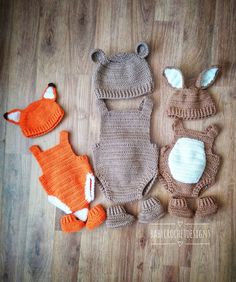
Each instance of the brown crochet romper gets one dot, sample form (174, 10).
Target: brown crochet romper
(183, 190)
(125, 161)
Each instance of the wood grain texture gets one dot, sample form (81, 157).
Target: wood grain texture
(50, 41)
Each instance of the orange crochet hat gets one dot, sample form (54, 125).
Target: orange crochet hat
(39, 117)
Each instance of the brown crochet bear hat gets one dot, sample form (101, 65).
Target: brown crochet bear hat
(123, 75)
(194, 102)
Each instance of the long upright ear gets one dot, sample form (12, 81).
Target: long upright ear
(174, 77)
(50, 92)
(142, 49)
(13, 116)
(207, 77)
(98, 56)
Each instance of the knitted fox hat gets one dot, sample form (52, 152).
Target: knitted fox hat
(194, 102)
(124, 75)
(39, 117)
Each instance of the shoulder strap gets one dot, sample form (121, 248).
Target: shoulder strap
(147, 105)
(212, 131)
(64, 137)
(35, 150)
(101, 106)
(178, 125)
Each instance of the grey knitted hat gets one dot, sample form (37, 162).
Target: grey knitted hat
(122, 76)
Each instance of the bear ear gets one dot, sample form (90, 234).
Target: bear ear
(174, 77)
(142, 49)
(50, 92)
(13, 116)
(207, 77)
(98, 56)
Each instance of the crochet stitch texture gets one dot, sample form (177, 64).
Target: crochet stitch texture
(122, 76)
(125, 161)
(192, 102)
(39, 117)
(179, 189)
(68, 180)
(151, 209)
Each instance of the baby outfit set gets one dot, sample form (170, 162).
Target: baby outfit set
(68, 179)
(125, 161)
(188, 166)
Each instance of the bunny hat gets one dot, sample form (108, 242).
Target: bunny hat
(194, 102)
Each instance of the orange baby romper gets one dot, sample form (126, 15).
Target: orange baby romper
(69, 182)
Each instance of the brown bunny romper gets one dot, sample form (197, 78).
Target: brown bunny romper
(168, 171)
(125, 160)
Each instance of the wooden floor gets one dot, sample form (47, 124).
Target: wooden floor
(49, 41)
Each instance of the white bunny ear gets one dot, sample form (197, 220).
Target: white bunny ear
(13, 116)
(207, 77)
(50, 92)
(174, 77)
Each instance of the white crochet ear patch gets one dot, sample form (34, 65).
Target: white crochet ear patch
(187, 160)
(208, 76)
(14, 116)
(174, 77)
(49, 93)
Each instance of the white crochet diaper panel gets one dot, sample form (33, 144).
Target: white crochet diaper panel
(187, 160)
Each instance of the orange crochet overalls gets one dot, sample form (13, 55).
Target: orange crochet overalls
(69, 182)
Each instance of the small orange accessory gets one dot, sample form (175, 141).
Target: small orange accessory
(69, 223)
(96, 217)
(39, 117)
(68, 180)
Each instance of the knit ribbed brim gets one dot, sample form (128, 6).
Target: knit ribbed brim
(69, 223)
(150, 203)
(191, 113)
(179, 207)
(133, 92)
(206, 206)
(151, 209)
(118, 217)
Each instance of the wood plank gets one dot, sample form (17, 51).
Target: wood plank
(50, 41)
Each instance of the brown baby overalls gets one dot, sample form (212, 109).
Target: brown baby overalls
(170, 165)
(125, 161)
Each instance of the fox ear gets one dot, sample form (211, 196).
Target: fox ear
(50, 92)
(13, 116)
(174, 77)
(207, 77)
